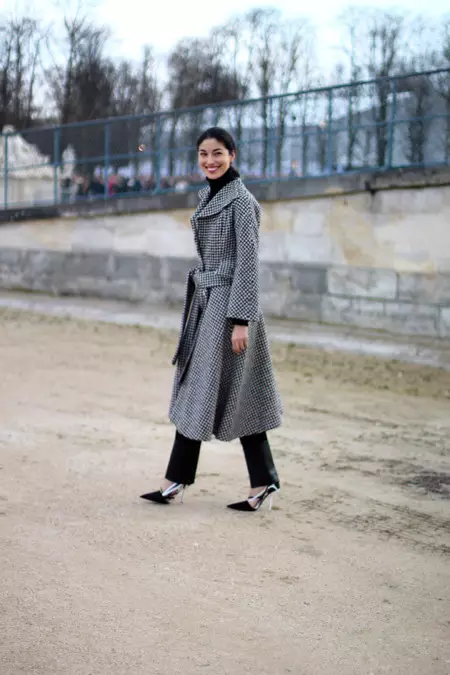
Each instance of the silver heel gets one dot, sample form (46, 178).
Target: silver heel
(166, 496)
(254, 503)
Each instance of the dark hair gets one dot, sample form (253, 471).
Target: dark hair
(220, 135)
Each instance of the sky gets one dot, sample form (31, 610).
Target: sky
(175, 19)
(162, 24)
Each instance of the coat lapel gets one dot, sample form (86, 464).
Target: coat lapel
(207, 209)
(225, 196)
(203, 198)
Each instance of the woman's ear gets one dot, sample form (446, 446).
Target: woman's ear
(233, 156)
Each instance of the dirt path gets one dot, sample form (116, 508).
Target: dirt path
(349, 575)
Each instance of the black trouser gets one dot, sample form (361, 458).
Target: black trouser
(183, 460)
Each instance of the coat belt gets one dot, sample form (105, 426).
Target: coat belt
(198, 283)
(209, 279)
(203, 280)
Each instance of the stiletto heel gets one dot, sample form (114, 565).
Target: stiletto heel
(167, 495)
(258, 500)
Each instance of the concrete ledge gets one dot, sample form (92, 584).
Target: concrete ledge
(395, 317)
(360, 297)
(8, 216)
(444, 322)
(369, 182)
(362, 282)
(292, 276)
(434, 288)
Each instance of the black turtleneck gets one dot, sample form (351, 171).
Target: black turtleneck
(216, 184)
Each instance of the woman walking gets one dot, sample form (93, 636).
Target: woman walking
(224, 384)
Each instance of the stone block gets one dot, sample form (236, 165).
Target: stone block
(12, 266)
(11, 259)
(291, 305)
(362, 282)
(176, 269)
(127, 266)
(274, 276)
(444, 322)
(272, 303)
(336, 310)
(87, 264)
(432, 288)
(411, 318)
(292, 277)
(174, 293)
(309, 279)
(266, 280)
(394, 317)
(65, 265)
(45, 272)
(144, 269)
(124, 289)
(40, 264)
(302, 306)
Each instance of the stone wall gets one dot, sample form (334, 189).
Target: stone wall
(370, 251)
(399, 302)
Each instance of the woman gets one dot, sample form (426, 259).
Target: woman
(224, 384)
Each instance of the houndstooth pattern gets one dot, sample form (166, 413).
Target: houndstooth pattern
(215, 392)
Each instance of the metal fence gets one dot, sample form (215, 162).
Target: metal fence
(377, 125)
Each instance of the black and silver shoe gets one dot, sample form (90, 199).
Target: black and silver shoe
(166, 496)
(254, 503)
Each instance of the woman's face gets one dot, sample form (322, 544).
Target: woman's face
(214, 159)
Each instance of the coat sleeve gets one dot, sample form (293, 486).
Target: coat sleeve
(244, 296)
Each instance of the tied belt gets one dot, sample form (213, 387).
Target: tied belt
(200, 282)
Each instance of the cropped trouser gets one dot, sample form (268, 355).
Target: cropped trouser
(183, 461)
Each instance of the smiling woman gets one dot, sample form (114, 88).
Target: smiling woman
(224, 384)
(216, 152)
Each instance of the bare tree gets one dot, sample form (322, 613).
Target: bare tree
(82, 84)
(417, 90)
(197, 77)
(378, 51)
(269, 55)
(442, 60)
(136, 92)
(235, 51)
(295, 68)
(351, 72)
(20, 48)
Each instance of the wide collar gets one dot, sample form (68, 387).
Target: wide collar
(223, 198)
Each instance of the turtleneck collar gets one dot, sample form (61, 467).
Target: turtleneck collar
(216, 184)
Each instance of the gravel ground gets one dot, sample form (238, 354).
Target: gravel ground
(348, 575)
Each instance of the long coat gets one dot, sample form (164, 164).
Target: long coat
(216, 392)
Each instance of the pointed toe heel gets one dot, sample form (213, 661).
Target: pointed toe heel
(254, 503)
(166, 496)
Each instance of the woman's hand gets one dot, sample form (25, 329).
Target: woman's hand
(239, 339)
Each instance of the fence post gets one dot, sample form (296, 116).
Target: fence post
(330, 133)
(157, 163)
(270, 168)
(56, 162)
(106, 159)
(391, 126)
(5, 173)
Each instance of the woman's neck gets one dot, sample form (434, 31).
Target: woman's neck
(217, 184)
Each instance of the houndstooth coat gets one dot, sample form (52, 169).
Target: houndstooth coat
(216, 392)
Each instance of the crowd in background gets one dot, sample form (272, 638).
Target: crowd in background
(81, 186)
